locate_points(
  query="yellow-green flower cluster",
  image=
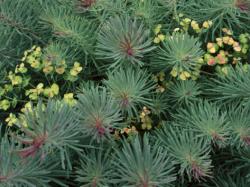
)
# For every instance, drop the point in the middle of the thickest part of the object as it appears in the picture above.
(187, 23)
(129, 130)
(76, 69)
(51, 91)
(15, 79)
(21, 68)
(11, 120)
(5, 104)
(34, 93)
(184, 74)
(35, 58)
(159, 78)
(159, 37)
(37, 75)
(145, 119)
(220, 58)
(69, 99)
(226, 49)
(27, 107)
(244, 41)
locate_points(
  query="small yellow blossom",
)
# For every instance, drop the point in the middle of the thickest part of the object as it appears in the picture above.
(76, 69)
(160, 89)
(227, 31)
(157, 29)
(219, 42)
(187, 74)
(4, 104)
(60, 68)
(11, 120)
(161, 37)
(185, 23)
(69, 99)
(157, 40)
(226, 39)
(200, 61)
(48, 68)
(52, 91)
(187, 20)
(183, 76)
(37, 52)
(195, 26)
(34, 93)
(174, 72)
(212, 47)
(21, 68)
(15, 79)
(237, 47)
(145, 119)
(181, 15)
(207, 24)
(231, 41)
(55, 89)
(35, 64)
(27, 107)
(177, 29)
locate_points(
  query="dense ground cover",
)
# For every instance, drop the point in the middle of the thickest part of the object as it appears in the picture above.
(131, 93)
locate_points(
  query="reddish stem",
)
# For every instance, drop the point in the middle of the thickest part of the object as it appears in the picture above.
(99, 126)
(2, 178)
(35, 146)
(197, 171)
(242, 5)
(246, 139)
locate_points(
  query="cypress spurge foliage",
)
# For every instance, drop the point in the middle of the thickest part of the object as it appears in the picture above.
(95, 135)
(239, 119)
(233, 87)
(56, 53)
(207, 120)
(75, 31)
(183, 92)
(190, 152)
(180, 53)
(243, 162)
(123, 41)
(160, 104)
(232, 14)
(99, 113)
(131, 88)
(149, 11)
(25, 172)
(51, 128)
(95, 168)
(19, 28)
(226, 180)
(143, 165)
(100, 10)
